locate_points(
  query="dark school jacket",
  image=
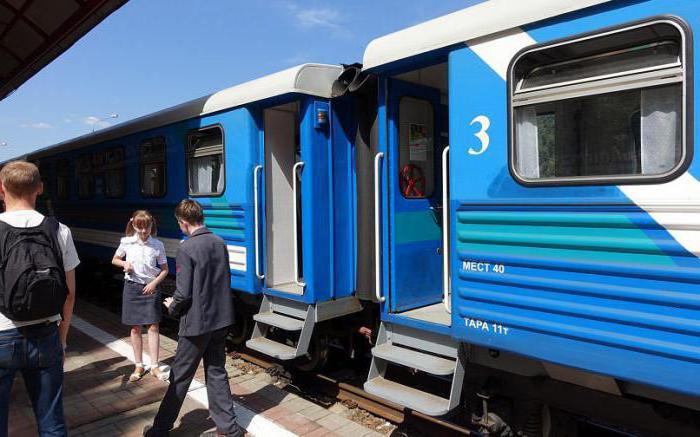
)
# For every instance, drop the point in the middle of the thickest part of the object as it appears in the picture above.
(202, 298)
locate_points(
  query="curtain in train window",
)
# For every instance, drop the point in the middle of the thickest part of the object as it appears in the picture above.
(611, 113)
(115, 173)
(86, 180)
(205, 159)
(62, 179)
(152, 167)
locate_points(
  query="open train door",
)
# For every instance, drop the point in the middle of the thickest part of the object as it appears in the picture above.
(415, 220)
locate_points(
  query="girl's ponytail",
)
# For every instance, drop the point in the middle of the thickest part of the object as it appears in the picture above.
(130, 228)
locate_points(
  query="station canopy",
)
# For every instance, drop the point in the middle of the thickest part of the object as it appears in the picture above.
(35, 32)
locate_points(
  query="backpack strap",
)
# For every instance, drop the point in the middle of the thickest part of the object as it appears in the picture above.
(51, 226)
(4, 228)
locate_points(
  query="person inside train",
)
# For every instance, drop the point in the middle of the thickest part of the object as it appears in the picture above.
(143, 259)
(34, 317)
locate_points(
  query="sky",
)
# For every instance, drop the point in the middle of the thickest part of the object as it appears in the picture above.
(153, 54)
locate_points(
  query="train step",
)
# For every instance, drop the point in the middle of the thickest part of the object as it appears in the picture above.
(409, 397)
(280, 321)
(294, 317)
(428, 363)
(272, 348)
(432, 353)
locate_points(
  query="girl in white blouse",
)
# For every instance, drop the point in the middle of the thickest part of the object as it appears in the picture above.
(145, 265)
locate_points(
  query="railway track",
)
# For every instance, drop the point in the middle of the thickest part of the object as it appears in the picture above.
(409, 422)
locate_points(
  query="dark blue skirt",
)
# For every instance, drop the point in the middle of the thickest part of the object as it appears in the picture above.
(139, 308)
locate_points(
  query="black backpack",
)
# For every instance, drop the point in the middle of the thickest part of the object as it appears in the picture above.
(32, 279)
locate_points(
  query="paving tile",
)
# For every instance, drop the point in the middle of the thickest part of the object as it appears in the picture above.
(288, 397)
(239, 390)
(304, 430)
(256, 403)
(253, 385)
(298, 404)
(321, 432)
(272, 393)
(292, 421)
(276, 412)
(314, 412)
(352, 429)
(333, 422)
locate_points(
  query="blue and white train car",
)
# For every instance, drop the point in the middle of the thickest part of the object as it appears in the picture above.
(549, 255)
(260, 157)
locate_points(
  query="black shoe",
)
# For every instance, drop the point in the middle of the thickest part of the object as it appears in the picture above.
(148, 431)
(239, 431)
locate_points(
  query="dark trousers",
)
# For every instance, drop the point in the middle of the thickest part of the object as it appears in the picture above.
(190, 350)
(35, 352)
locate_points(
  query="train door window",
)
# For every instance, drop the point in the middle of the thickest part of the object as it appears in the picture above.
(205, 162)
(86, 181)
(115, 173)
(62, 179)
(152, 167)
(416, 148)
(601, 108)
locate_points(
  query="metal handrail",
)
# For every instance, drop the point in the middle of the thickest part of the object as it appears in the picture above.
(297, 280)
(446, 286)
(257, 221)
(377, 241)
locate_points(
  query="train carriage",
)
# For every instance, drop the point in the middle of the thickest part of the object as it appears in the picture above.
(537, 198)
(215, 149)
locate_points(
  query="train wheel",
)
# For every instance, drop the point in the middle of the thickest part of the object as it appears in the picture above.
(241, 330)
(317, 357)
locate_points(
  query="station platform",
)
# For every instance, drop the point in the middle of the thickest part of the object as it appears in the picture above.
(100, 401)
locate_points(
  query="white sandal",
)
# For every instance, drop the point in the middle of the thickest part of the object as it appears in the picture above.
(138, 374)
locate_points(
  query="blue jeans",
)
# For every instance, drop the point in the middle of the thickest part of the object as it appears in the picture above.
(35, 351)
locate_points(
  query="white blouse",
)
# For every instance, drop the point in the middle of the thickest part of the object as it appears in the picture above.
(145, 257)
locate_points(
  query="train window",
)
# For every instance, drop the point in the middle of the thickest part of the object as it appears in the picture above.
(63, 179)
(98, 173)
(115, 172)
(416, 148)
(152, 167)
(205, 162)
(601, 108)
(86, 180)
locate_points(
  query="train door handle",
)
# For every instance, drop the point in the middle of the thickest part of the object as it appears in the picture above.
(295, 168)
(446, 286)
(256, 214)
(377, 241)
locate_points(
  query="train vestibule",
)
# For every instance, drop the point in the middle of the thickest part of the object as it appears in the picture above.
(408, 234)
(306, 228)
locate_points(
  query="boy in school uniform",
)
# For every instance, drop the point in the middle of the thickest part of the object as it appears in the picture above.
(202, 301)
(34, 347)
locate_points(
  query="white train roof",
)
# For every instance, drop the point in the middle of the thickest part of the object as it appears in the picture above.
(310, 79)
(468, 24)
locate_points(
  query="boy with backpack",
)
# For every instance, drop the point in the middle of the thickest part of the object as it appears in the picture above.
(37, 293)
